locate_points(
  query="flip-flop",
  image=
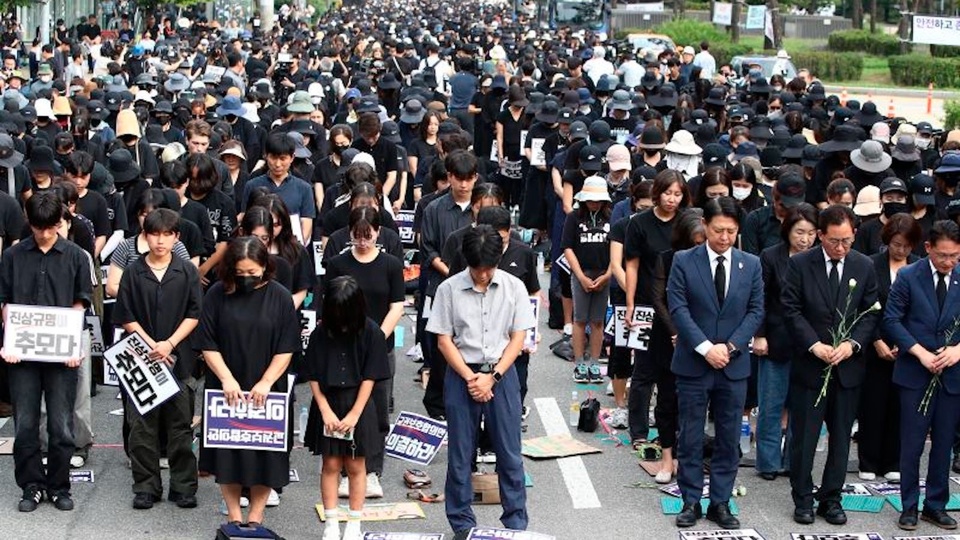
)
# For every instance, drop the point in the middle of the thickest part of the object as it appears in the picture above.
(419, 495)
(416, 479)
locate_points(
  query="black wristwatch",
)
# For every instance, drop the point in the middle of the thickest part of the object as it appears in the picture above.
(732, 350)
(497, 376)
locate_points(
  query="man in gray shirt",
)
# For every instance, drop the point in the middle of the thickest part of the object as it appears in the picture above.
(481, 317)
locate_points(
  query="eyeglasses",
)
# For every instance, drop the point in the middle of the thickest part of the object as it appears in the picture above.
(944, 257)
(837, 242)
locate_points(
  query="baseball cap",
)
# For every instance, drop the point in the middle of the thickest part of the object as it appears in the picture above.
(618, 158)
(922, 187)
(578, 130)
(791, 188)
(893, 184)
(590, 159)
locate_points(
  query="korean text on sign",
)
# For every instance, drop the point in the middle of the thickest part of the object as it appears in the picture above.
(245, 427)
(147, 382)
(415, 438)
(43, 334)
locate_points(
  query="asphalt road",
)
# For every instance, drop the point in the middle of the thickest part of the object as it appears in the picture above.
(592, 497)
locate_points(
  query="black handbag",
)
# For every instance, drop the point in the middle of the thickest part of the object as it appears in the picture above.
(589, 419)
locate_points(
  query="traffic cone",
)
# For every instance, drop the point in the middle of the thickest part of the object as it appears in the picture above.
(843, 97)
(891, 112)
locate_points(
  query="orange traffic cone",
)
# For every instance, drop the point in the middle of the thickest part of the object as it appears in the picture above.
(891, 112)
(843, 97)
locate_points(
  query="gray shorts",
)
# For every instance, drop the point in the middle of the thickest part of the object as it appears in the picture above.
(589, 307)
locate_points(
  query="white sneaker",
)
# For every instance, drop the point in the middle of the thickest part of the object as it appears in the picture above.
(244, 502)
(273, 500)
(867, 476)
(331, 531)
(343, 490)
(164, 463)
(663, 477)
(352, 531)
(892, 476)
(619, 419)
(374, 489)
(487, 457)
(77, 461)
(610, 388)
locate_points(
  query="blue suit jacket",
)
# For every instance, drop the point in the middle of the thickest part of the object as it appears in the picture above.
(913, 316)
(698, 315)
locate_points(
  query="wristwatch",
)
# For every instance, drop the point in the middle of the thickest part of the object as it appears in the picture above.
(732, 350)
(497, 376)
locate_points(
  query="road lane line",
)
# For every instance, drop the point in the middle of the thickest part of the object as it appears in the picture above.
(572, 469)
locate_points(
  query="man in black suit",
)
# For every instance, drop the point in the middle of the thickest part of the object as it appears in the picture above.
(820, 282)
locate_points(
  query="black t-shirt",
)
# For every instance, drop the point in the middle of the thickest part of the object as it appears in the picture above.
(618, 233)
(220, 210)
(326, 173)
(339, 242)
(512, 129)
(539, 132)
(425, 154)
(191, 238)
(381, 281)
(196, 213)
(117, 212)
(11, 220)
(341, 362)
(588, 240)
(339, 217)
(575, 178)
(620, 129)
(647, 235)
(384, 155)
(93, 206)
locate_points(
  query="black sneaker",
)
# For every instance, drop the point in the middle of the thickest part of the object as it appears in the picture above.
(62, 501)
(31, 498)
(183, 500)
(144, 501)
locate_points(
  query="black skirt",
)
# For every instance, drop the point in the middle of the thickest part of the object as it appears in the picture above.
(249, 467)
(366, 435)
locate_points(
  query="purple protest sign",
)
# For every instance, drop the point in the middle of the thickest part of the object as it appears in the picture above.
(245, 427)
(415, 438)
(484, 533)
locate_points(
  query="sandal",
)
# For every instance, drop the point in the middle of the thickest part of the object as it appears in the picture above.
(419, 495)
(416, 479)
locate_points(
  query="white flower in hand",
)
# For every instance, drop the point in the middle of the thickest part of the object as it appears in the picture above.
(876, 306)
(852, 283)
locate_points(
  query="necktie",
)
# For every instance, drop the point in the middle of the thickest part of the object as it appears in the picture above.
(720, 280)
(941, 288)
(834, 280)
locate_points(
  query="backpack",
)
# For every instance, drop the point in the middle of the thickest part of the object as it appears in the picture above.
(589, 415)
(230, 531)
(430, 72)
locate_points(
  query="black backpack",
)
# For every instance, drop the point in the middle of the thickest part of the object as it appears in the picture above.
(589, 415)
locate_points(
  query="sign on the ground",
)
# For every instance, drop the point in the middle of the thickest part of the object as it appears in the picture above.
(415, 438)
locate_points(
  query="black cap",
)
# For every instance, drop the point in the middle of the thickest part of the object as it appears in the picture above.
(578, 130)
(590, 159)
(922, 187)
(791, 188)
(893, 184)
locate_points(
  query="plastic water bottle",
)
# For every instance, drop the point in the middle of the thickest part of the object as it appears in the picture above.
(575, 409)
(822, 441)
(302, 424)
(745, 435)
(540, 263)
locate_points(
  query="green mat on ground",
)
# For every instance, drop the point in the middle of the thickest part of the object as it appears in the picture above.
(672, 506)
(862, 503)
(953, 503)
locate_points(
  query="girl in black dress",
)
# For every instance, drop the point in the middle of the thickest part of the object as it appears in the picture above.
(346, 356)
(248, 333)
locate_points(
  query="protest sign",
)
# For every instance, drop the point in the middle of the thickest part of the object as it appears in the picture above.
(308, 322)
(755, 17)
(674, 489)
(245, 427)
(484, 533)
(43, 334)
(556, 446)
(382, 511)
(531, 342)
(81, 477)
(734, 534)
(637, 337)
(723, 13)
(401, 536)
(415, 438)
(538, 158)
(318, 258)
(937, 537)
(147, 382)
(836, 536)
(404, 221)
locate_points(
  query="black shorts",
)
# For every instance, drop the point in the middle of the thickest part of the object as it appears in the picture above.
(620, 363)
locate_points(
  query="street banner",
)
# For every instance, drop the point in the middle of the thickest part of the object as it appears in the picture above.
(936, 30)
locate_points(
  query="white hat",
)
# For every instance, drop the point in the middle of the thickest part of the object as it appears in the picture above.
(683, 143)
(143, 95)
(251, 113)
(364, 157)
(782, 54)
(172, 152)
(689, 50)
(594, 189)
(316, 92)
(44, 108)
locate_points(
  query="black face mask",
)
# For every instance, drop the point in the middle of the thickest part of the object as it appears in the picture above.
(650, 152)
(338, 150)
(246, 284)
(892, 208)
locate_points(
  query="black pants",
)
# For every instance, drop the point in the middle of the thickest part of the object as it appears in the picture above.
(433, 396)
(173, 418)
(878, 439)
(645, 374)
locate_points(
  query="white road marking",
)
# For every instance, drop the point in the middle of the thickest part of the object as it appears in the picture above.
(3, 422)
(574, 472)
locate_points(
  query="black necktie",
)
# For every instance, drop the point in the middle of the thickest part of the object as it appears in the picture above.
(834, 280)
(720, 280)
(941, 288)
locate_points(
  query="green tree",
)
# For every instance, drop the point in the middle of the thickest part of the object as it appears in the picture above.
(9, 5)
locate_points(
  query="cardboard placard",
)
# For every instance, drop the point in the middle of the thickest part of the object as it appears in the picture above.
(486, 488)
(538, 158)
(415, 438)
(43, 334)
(147, 382)
(245, 427)
(556, 446)
(485, 533)
(382, 511)
(401, 536)
(836, 536)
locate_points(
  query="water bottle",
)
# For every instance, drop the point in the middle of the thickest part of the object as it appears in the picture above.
(574, 409)
(302, 425)
(540, 263)
(745, 435)
(822, 441)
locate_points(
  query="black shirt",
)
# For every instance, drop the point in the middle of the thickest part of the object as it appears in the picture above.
(340, 362)
(618, 234)
(220, 210)
(647, 235)
(160, 306)
(518, 260)
(381, 281)
(588, 240)
(196, 213)
(339, 217)
(93, 206)
(512, 129)
(11, 220)
(384, 155)
(58, 278)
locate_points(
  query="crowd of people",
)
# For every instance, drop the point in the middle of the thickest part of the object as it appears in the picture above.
(772, 243)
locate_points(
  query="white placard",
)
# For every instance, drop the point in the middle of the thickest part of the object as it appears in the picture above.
(936, 30)
(538, 158)
(637, 337)
(308, 322)
(836, 536)
(723, 13)
(297, 227)
(755, 16)
(318, 258)
(531, 342)
(147, 382)
(96, 336)
(43, 334)
(737, 534)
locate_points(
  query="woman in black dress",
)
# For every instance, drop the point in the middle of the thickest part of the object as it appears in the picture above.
(343, 361)
(248, 332)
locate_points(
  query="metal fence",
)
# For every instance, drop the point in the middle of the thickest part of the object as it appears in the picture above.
(795, 26)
